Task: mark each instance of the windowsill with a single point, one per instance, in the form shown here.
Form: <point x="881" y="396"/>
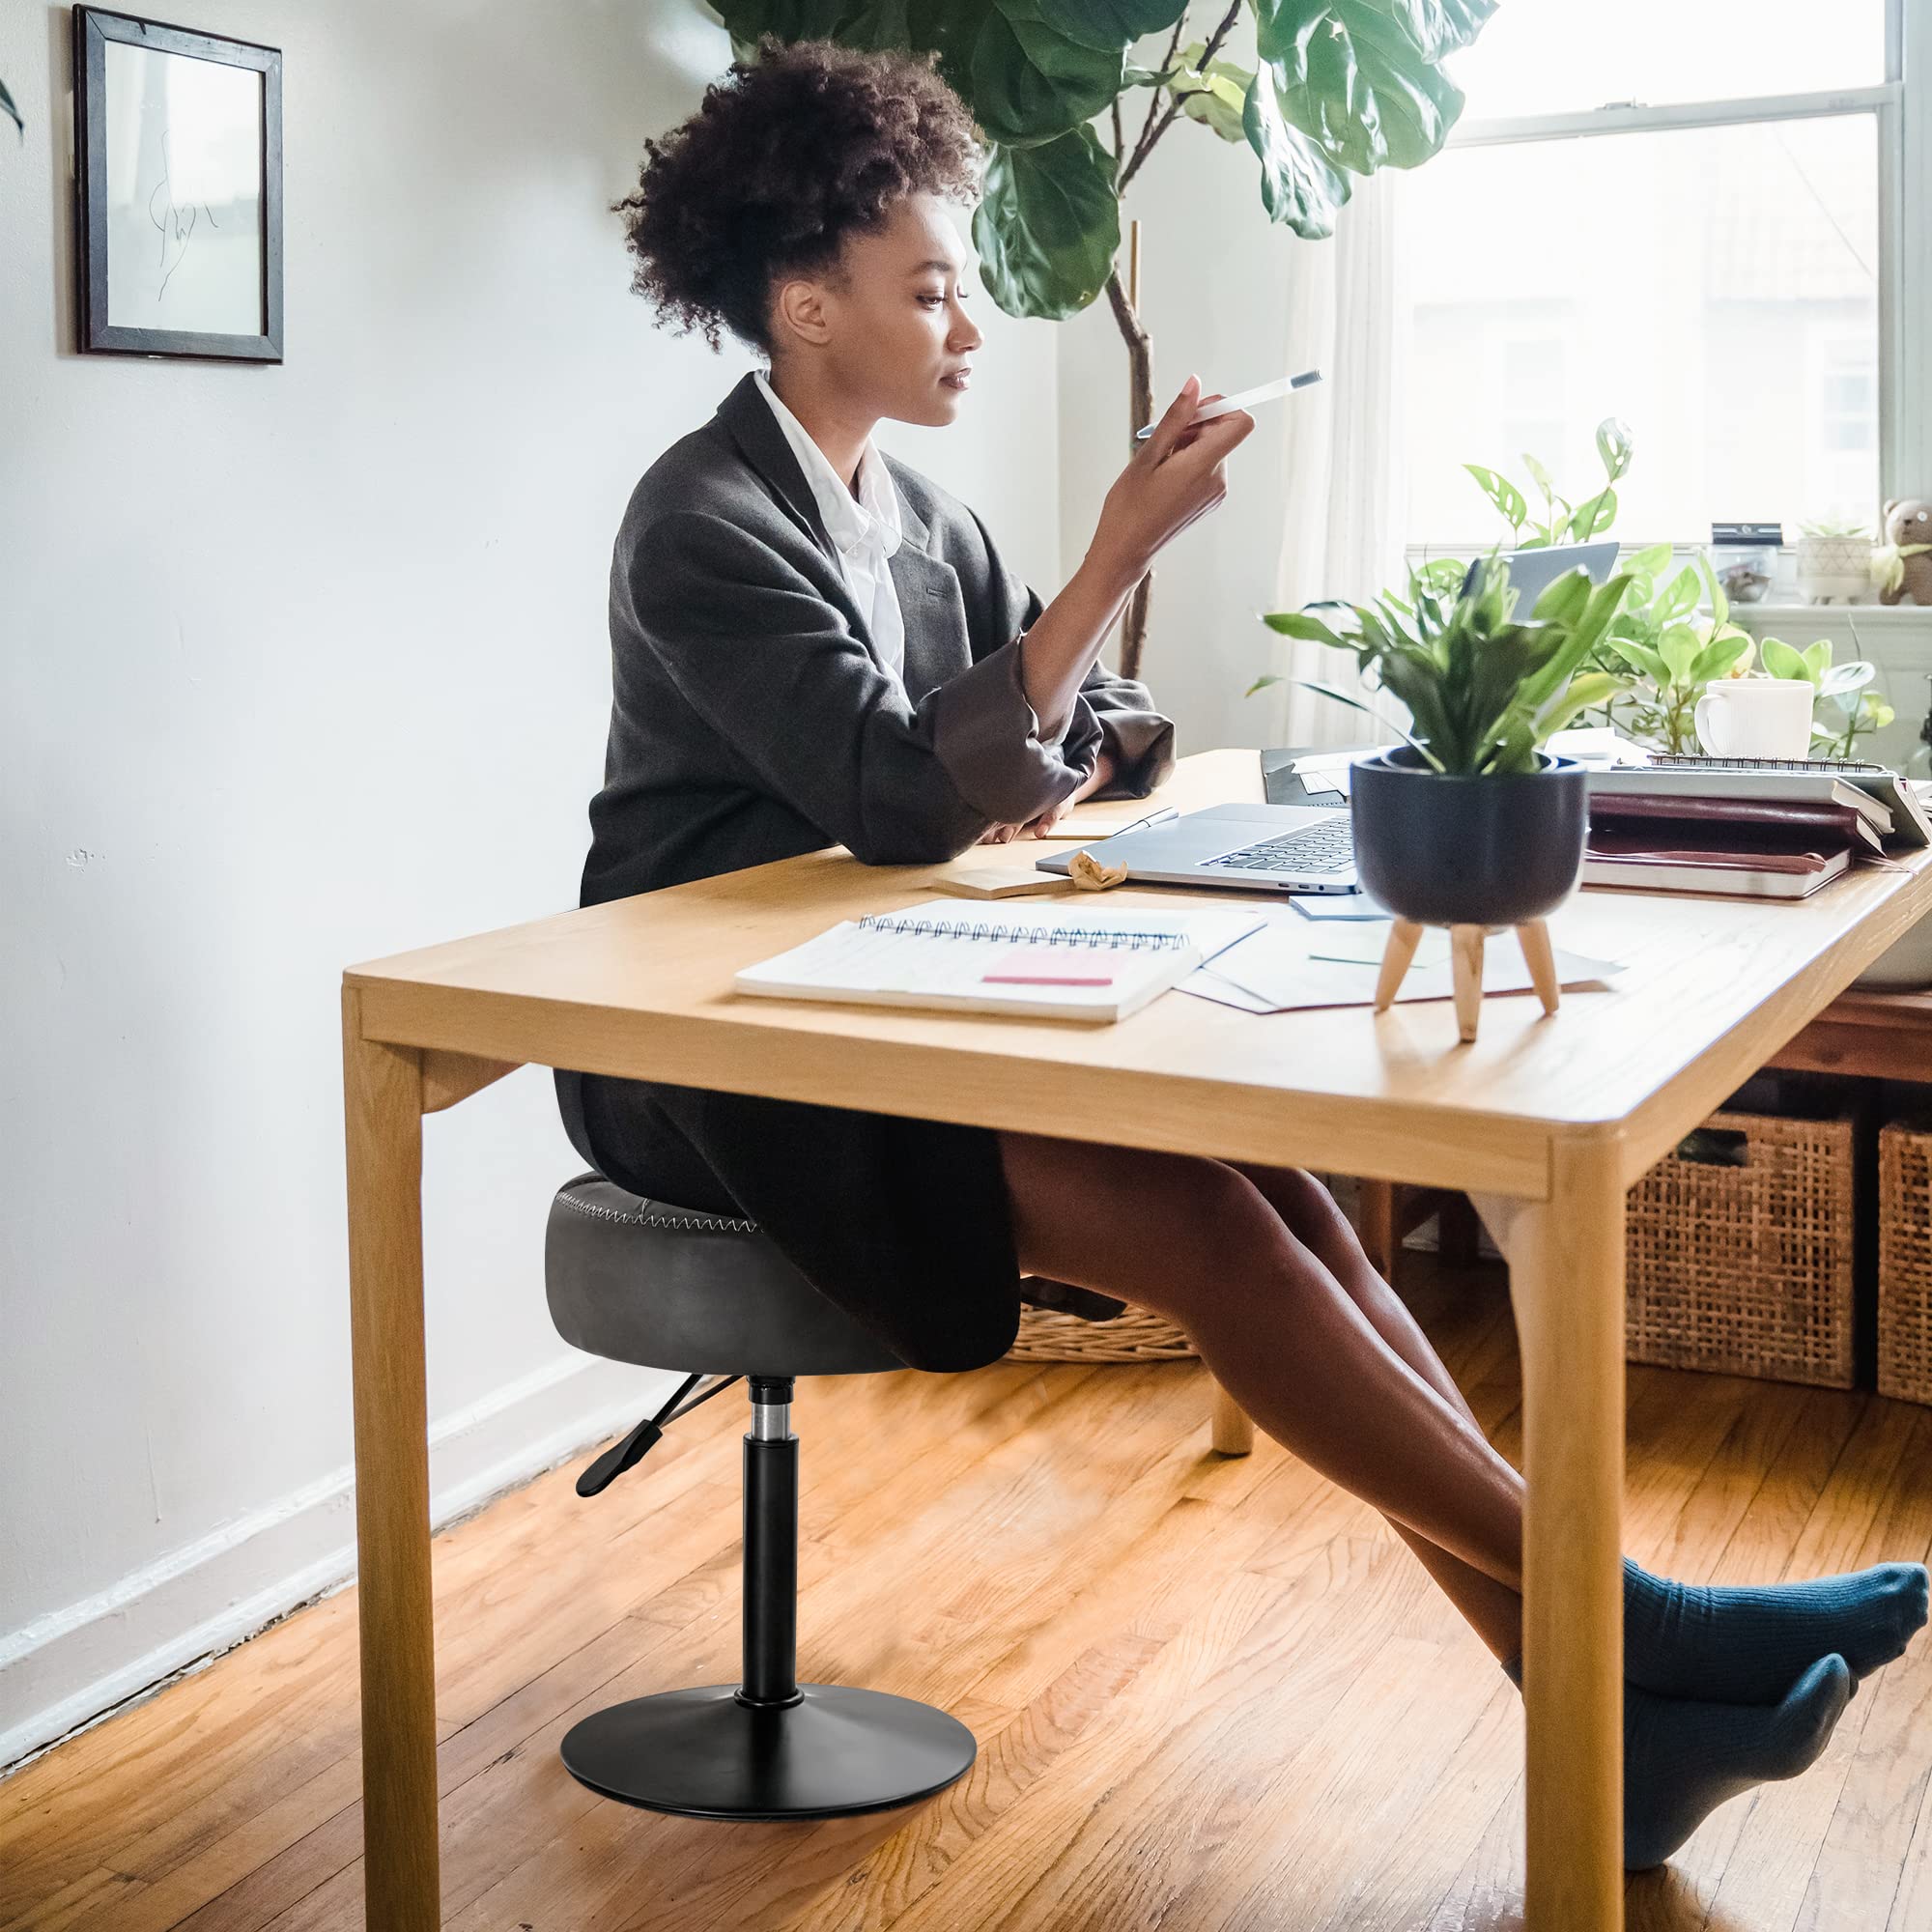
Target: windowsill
<point x="1781" y="607"/>
<point x="1903" y="616"/>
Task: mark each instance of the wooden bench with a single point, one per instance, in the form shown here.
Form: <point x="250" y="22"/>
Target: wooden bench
<point x="1873" y="1035"/>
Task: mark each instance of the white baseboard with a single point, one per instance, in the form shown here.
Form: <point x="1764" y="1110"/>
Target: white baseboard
<point x="76" y="1666"/>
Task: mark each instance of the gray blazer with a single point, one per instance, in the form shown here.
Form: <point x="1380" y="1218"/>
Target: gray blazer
<point x="751" y="718"/>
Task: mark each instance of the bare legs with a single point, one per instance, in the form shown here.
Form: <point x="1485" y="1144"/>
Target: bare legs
<point x="1266" y="1275"/>
<point x="1493" y="1609"/>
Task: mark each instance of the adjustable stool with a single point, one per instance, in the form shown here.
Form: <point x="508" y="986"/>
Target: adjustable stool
<point x="669" y="1288"/>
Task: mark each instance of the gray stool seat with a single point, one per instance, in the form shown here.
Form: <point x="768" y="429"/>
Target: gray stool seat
<point x="670" y="1288"/>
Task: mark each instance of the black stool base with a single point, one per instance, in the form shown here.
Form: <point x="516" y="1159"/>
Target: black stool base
<point x="703" y="1754"/>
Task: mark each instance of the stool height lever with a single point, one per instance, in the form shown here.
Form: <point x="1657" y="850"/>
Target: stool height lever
<point x="625" y="1455"/>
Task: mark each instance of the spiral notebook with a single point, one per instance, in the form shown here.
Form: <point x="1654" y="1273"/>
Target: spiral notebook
<point x="1100" y="965"/>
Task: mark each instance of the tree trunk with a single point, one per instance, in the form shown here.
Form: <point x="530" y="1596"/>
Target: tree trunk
<point x="1140" y="412"/>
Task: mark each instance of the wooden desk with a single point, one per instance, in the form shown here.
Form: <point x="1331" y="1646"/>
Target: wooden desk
<point x="1553" y="1118"/>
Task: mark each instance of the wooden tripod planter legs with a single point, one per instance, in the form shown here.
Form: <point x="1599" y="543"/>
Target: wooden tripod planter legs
<point x="1467" y="957"/>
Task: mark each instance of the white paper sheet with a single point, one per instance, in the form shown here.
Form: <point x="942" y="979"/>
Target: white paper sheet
<point x="1277" y="969"/>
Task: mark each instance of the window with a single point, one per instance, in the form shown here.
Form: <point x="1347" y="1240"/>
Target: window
<point x="1706" y="257"/>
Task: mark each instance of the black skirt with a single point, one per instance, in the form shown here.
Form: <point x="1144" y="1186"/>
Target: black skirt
<point x="904" y="1224"/>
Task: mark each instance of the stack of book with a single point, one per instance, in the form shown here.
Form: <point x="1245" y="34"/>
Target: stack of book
<point x="1764" y="828"/>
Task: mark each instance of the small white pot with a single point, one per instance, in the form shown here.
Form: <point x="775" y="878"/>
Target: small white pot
<point x="1834" y="570"/>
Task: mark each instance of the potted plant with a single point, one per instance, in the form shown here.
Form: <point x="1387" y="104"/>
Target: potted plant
<point x="1673" y="647"/>
<point x="1470" y="823"/>
<point x="1854" y="710"/>
<point x="1834" y="561"/>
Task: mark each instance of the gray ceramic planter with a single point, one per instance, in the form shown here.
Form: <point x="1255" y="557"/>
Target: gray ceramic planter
<point x="1468" y="851"/>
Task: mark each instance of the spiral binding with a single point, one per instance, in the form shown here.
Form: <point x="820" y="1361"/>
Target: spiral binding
<point x="1123" y="941"/>
<point x="1692" y="761"/>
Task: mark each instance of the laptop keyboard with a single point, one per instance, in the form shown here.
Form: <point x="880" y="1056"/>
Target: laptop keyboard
<point x="1326" y="848"/>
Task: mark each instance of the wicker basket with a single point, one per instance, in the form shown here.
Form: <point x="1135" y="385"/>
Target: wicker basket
<point x="1905" y="1262"/>
<point x="1133" y="1335"/>
<point x="1747" y="1269"/>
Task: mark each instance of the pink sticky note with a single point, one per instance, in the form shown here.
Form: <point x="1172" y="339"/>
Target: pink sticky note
<point x="1048" y="966"/>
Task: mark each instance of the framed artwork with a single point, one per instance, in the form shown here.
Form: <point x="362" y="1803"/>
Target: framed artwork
<point x="177" y="167"/>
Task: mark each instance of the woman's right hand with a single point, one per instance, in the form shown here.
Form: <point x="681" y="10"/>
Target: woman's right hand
<point x="1174" y="477"/>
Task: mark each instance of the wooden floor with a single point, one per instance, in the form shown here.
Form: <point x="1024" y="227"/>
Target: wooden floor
<point x="1211" y="1695"/>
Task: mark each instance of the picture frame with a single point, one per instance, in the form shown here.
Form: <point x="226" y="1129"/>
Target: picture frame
<point x="178" y="178"/>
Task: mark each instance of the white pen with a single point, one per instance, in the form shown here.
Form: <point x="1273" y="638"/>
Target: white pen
<point x="1267" y="393"/>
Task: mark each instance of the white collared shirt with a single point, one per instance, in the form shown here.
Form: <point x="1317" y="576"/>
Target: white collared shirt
<point x="865" y="529"/>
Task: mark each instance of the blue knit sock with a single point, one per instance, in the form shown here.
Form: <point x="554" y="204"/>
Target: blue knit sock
<point x="1682" y="1758"/>
<point x="1749" y="1644"/>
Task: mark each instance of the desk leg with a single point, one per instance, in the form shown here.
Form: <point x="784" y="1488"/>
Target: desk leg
<point x="383" y="1115"/>
<point x="1567" y="1281"/>
<point x="1230" y="1431"/>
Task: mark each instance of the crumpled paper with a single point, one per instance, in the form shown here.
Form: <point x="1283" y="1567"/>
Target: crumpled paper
<point x="1091" y="876"/>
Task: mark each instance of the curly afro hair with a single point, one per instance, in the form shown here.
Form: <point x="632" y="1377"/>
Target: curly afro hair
<point x="788" y="154"/>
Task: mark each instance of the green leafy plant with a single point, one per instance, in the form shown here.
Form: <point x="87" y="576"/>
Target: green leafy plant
<point x="1339" y="89"/>
<point x="1854" y="710"/>
<point x="1482" y="688"/>
<point x="1674" y="649"/>
<point x="1831" y="528"/>
<point x="1562" y="522"/>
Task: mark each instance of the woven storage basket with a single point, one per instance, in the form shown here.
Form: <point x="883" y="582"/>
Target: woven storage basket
<point x="1133" y="1335"/>
<point x="1747" y="1269"/>
<point x="1905" y="1262"/>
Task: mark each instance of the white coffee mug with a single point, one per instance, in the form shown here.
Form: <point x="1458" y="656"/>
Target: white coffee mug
<point x="1755" y="717"/>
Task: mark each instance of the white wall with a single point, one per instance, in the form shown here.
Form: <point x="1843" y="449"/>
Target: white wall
<point x="304" y="666"/>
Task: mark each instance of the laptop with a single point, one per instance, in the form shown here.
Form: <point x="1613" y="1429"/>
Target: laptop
<point x="1285" y="845"/>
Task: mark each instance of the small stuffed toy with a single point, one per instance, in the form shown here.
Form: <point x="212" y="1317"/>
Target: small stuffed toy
<point x="1907" y="543"/>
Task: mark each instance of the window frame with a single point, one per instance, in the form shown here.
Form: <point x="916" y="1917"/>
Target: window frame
<point x="1903" y="135"/>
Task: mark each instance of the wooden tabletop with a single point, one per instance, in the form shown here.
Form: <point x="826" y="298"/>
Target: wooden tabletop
<point x="642" y="988"/>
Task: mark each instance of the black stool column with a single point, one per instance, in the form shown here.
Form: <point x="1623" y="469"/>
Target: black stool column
<point x="769" y="1747"/>
<point x="770" y="1548"/>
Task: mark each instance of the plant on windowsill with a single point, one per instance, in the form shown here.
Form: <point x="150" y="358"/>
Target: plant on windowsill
<point x="1470" y="823"/>
<point x="1833" y="559"/>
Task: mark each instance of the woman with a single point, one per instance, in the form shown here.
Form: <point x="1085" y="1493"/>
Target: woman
<point x="814" y="645"/>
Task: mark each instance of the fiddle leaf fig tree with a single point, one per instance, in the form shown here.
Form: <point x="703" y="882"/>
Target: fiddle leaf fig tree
<point x="1338" y="89"/>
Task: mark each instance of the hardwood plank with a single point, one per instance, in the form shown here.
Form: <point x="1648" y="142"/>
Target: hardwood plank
<point x="77" y="1902"/>
<point x="1169" y="1778"/>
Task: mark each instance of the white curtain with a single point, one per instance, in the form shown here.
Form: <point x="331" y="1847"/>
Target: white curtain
<point x="1345" y="486"/>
